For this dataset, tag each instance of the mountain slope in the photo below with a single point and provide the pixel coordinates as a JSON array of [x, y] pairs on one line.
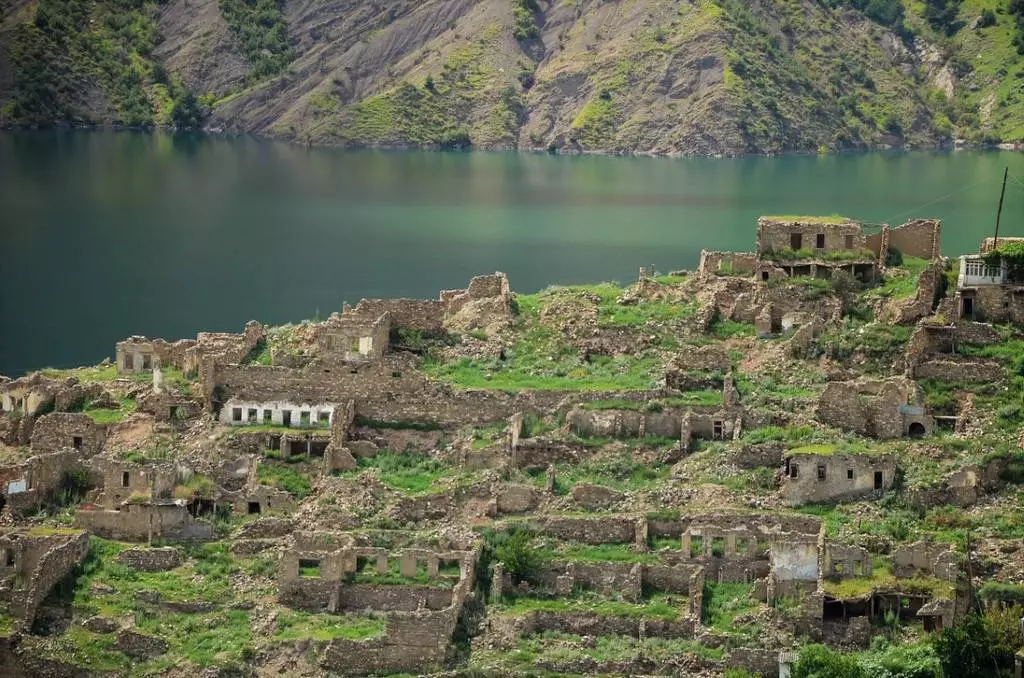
[[674, 77]]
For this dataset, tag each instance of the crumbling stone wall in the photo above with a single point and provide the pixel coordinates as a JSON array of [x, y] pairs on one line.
[[879, 408], [916, 238], [354, 338], [927, 559], [844, 562], [603, 530], [816, 477], [222, 348], [960, 368], [151, 560], [414, 642], [29, 484], [414, 314], [32, 563], [144, 522], [740, 263], [67, 430]]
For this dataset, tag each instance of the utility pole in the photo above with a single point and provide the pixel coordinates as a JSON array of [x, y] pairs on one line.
[[999, 212]]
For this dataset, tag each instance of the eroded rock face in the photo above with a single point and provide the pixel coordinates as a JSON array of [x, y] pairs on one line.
[[516, 498], [139, 645], [151, 560], [594, 497]]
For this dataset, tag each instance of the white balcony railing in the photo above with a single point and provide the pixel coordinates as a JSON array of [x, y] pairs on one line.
[[977, 272]]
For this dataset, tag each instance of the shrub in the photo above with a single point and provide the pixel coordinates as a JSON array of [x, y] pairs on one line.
[[512, 548], [893, 257], [885, 660], [818, 661], [988, 18], [977, 646]]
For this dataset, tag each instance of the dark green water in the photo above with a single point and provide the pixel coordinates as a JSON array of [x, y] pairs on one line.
[[106, 234]]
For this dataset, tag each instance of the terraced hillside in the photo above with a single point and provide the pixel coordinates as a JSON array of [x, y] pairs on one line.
[[697, 474], [680, 77]]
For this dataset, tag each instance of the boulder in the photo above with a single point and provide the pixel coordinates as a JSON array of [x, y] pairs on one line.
[[516, 498], [139, 645], [100, 625], [592, 496], [150, 560]]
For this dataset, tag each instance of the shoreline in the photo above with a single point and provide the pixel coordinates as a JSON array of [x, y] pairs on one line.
[[958, 145]]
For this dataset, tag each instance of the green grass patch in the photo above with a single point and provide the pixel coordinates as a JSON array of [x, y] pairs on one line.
[[658, 607], [723, 602], [409, 472], [84, 374], [110, 416], [293, 625], [612, 553], [284, 478]]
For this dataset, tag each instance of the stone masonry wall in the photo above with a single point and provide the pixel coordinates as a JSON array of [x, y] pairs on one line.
[[59, 430], [817, 478], [415, 314], [774, 235]]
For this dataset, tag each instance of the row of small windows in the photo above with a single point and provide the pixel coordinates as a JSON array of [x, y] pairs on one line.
[[794, 472], [306, 417], [796, 241]]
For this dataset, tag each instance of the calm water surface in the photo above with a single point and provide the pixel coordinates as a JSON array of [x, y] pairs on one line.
[[108, 234]]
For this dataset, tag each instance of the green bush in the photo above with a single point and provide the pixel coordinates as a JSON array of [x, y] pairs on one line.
[[893, 257], [979, 646], [885, 660], [818, 661], [512, 547]]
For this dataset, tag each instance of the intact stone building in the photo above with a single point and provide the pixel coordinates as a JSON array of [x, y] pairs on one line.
[[816, 476], [989, 291]]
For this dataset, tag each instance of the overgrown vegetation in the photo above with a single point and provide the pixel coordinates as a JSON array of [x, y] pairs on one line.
[[108, 43], [260, 29]]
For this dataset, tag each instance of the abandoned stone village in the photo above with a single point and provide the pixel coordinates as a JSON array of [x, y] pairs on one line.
[[818, 441]]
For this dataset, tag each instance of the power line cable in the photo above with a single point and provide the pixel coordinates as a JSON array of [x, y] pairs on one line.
[[932, 202]]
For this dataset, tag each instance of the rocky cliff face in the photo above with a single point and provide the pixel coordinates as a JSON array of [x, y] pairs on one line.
[[622, 76]]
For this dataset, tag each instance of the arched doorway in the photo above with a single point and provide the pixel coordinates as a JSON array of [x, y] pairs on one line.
[[916, 430]]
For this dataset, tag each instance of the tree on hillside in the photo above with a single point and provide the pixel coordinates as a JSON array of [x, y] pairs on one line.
[[941, 15]]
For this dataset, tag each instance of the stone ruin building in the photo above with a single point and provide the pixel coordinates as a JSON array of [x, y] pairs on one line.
[[817, 246], [988, 292]]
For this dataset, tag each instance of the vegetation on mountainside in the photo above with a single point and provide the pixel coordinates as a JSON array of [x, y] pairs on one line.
[[92, 61], [261, 31], [773, 77]]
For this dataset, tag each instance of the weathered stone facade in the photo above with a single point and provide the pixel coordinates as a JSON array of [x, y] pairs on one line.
[[31, 562], [828, 477], [352, 338], [779, 235], [889, 408]]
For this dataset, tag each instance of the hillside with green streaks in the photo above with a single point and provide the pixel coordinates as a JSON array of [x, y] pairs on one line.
[[623, 76]]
